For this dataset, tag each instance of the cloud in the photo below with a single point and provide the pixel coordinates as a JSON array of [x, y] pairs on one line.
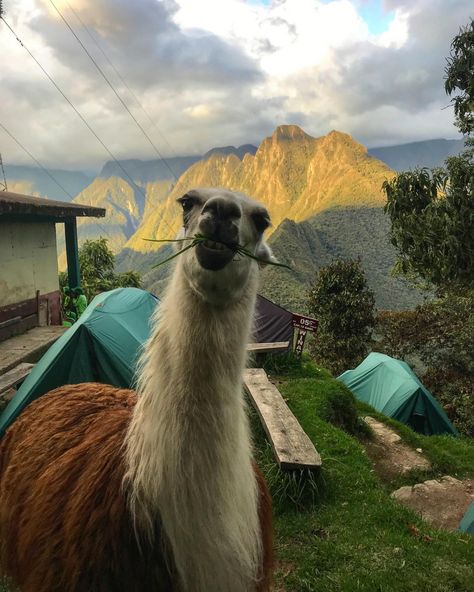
[[213, 73]]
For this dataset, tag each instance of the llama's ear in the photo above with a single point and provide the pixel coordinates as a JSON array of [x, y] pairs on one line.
[[265, 255]]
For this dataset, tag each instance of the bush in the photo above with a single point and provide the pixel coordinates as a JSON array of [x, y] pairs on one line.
[[97, 261], [437, 339], [344, 306], [340, 409]]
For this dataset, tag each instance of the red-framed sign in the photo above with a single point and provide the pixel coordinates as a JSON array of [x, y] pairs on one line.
[[303, 324]]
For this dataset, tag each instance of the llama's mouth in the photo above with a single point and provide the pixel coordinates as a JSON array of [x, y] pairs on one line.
[[214, 255]]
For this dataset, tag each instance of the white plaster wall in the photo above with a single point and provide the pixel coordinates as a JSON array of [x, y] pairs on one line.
[[28, 260]]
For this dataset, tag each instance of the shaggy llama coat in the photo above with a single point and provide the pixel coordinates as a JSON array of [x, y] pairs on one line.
[[104, 491]]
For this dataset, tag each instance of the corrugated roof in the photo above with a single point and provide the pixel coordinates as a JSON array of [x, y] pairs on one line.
[[28, 205]]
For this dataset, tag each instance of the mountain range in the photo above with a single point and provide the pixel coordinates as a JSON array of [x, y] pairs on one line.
[[324, 196]]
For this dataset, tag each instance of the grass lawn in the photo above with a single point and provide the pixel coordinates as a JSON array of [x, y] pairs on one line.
[[341, 531]]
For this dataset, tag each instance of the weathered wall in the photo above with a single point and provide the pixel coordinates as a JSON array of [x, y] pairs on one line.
[[28, 261]]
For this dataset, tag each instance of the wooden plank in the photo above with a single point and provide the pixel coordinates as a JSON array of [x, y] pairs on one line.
[[13, 377], [268, 347], [9, 322], [291, 445], [28, 347]]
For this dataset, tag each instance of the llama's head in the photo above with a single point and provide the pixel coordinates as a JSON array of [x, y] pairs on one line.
[[228, 219]]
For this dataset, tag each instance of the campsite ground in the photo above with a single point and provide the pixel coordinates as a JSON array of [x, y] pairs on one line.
[[340, 531]]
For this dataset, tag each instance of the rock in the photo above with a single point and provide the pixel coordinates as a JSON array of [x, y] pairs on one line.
[[442, 502]]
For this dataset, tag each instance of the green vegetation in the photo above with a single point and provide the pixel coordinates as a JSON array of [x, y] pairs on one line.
[[340, 531], [432, 212], [347, 232], [460, 77], [340, 299], [97, 263], [438, 337], [432, 216]]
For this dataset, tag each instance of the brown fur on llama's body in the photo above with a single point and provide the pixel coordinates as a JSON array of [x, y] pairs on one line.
[[105, 491], [48, 546]]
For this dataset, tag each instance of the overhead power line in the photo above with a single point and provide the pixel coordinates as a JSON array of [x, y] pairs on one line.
[[120, 77], [101, 72], [82, 118], [3, 184], [78, 113], [44, 169]]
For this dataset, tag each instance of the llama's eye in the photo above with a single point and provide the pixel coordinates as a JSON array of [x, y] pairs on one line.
[[261, 221], [187, 204]]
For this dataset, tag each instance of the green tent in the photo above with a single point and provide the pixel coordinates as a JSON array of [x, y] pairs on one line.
[[102, 346], [467, 523], [392, 388]]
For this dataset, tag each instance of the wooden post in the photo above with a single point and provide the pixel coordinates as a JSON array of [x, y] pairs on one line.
[[303, 324], [300, 342], [37, 308], [72, 254]]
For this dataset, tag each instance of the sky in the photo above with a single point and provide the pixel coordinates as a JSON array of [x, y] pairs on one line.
[[206, 73]]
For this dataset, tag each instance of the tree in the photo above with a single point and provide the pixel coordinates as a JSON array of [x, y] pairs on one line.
[[97, 263], [96, 260], [432, 215], [432, 212], [460, 77], [344, 305]]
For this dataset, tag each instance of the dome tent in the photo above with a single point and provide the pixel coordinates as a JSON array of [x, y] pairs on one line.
[[392, 388], [102, 346], [467, 523]]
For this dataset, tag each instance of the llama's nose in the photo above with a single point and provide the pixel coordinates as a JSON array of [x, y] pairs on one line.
[[220, 220], [222, 209]]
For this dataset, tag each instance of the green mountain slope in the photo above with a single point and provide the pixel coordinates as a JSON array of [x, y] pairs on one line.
[[339, 232]]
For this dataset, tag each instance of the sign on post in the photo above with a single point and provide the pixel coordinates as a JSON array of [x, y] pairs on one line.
[[303, 324]]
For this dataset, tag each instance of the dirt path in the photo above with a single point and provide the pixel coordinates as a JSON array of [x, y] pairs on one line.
[[389, 454], [441, 502]]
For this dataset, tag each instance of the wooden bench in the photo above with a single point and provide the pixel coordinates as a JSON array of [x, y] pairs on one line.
[[14, 377], [265, 348], [292, 447]]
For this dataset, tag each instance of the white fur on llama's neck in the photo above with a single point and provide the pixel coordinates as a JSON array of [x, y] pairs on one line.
[[189, 447]]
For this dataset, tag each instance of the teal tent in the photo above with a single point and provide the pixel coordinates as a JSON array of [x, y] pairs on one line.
[[102, 346], [392, 388], [467, 523]]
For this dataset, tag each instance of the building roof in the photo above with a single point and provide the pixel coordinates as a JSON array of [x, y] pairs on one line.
[[17, 205]]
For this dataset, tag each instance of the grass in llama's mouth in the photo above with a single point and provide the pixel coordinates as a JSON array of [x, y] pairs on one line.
[[209, 243]]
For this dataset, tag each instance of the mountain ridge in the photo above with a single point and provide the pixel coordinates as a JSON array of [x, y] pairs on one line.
[[292, 173]]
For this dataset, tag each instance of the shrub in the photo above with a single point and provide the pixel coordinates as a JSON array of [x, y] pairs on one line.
[[344, 306], [340, 409], [438, 337], [97, 262]]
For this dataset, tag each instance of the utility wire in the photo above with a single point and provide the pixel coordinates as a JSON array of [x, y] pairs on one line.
[[120, 77], [78, 113], [36, 160], [44, 169], [101, 72]]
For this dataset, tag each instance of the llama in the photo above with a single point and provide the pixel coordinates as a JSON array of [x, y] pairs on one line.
[[107, 490]]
